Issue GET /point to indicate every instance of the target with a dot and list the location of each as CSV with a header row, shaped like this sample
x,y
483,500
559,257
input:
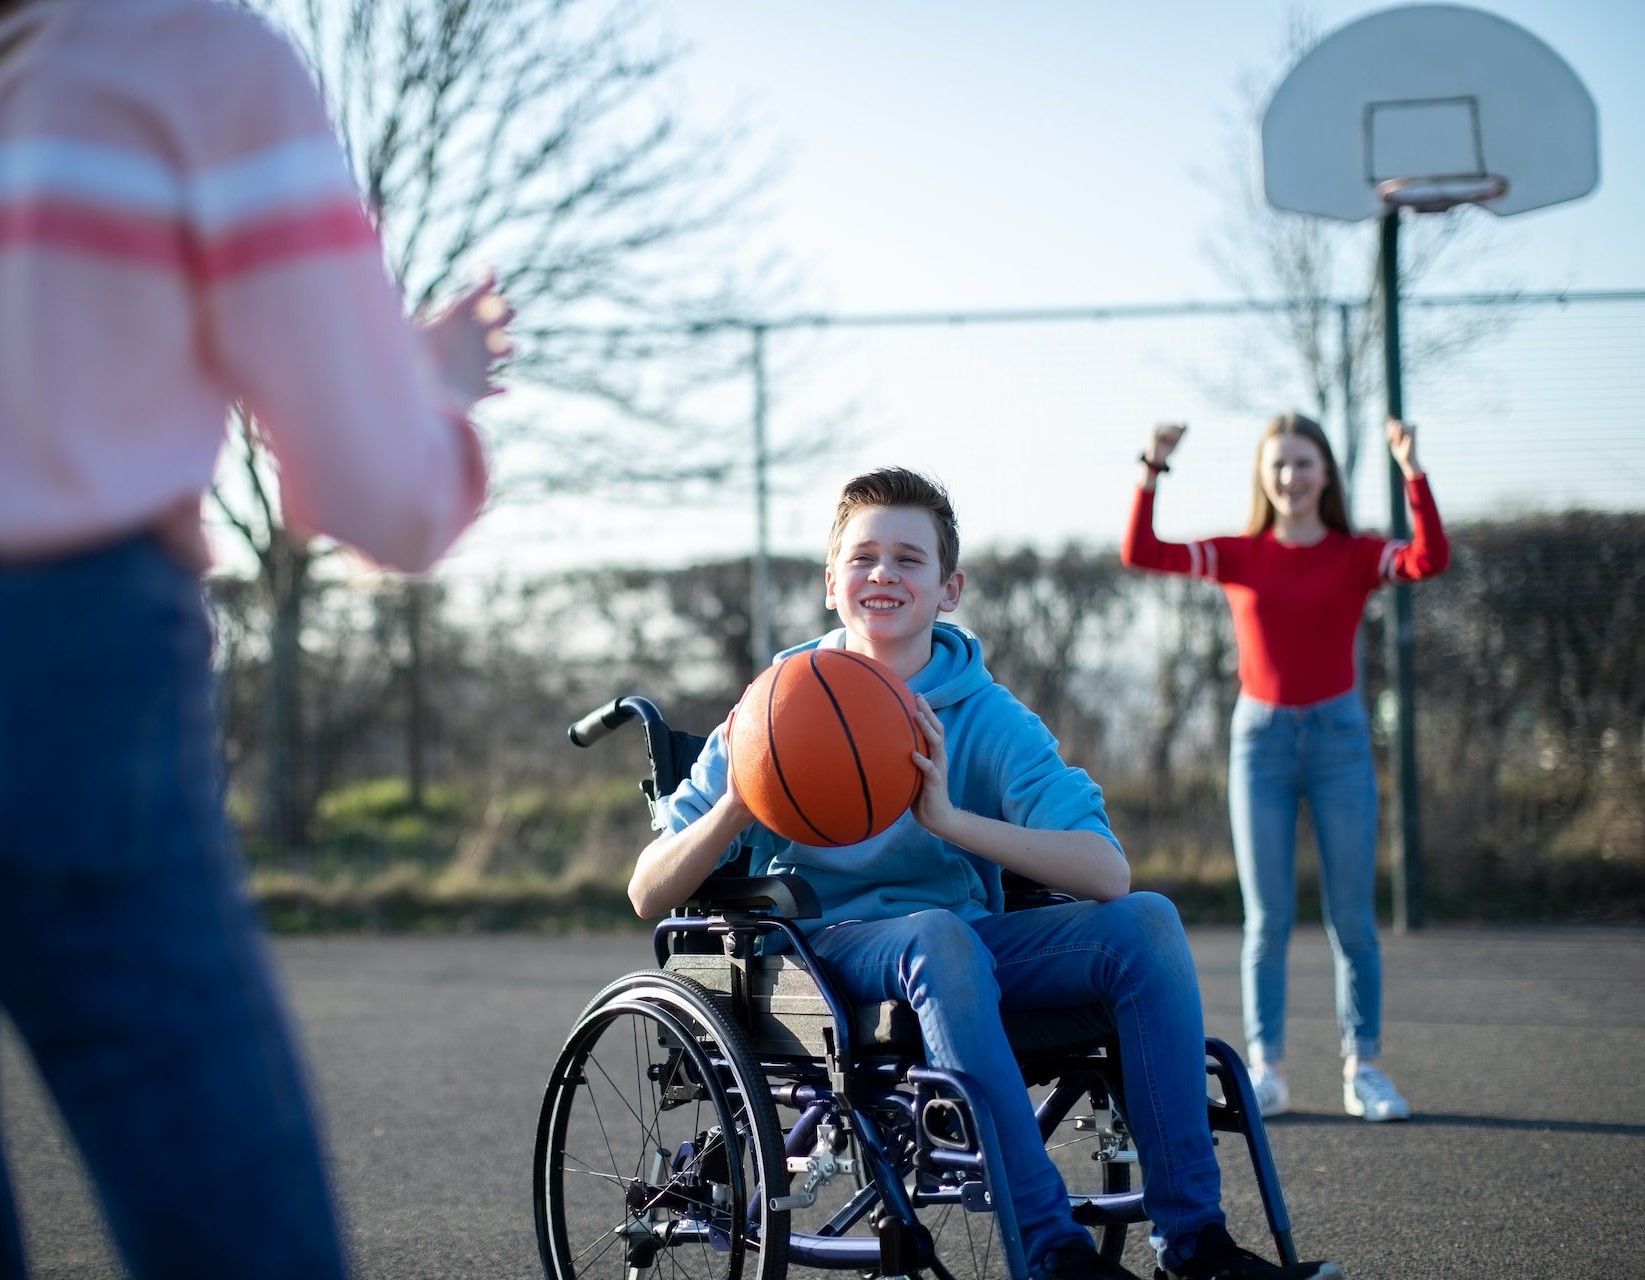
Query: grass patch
x,y
547,859
406,899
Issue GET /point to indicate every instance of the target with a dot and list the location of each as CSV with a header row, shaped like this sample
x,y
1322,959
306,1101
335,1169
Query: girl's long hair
x,y
1333,511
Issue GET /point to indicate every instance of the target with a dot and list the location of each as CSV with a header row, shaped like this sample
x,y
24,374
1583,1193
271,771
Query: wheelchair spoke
x,y
967,1243
647,1157
659,1156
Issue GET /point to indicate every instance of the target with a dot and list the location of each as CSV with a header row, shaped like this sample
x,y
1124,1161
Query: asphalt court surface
x,y
1522,1049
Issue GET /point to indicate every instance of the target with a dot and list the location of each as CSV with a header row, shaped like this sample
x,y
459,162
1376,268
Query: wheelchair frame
x,y
722,1034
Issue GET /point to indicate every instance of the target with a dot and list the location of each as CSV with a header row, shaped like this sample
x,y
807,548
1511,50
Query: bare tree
x,y
1050,622
539,139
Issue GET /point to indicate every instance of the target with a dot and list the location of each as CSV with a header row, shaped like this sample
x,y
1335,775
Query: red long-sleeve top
x,y
1296,609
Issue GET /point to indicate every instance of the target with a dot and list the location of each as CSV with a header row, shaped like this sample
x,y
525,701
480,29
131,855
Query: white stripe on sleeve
x,y
302,171
89,173
1386,570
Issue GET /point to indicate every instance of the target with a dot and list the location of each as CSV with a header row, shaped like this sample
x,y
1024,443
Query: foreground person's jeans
x,y
130,964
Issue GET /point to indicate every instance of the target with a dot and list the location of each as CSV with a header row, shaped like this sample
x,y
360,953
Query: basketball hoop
x,y
1479,106
1425,107
1436,195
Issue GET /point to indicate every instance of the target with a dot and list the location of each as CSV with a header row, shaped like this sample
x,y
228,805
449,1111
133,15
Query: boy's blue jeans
x,y
1279,757
1130,954
130,964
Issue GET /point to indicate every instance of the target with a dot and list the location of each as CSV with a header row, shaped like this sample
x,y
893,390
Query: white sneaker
x,y
1371,1094
1273,1094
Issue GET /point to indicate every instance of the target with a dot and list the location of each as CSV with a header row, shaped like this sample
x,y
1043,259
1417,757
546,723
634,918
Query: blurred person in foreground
x,y
179,230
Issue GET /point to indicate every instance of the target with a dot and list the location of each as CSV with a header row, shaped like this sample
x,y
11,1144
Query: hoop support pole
x,y
1401,638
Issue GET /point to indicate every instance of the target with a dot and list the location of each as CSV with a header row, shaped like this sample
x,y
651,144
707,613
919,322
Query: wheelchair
x,y
726,1115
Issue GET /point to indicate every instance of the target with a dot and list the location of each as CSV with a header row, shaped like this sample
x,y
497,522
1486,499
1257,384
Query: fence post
x,y
759,605
1350,408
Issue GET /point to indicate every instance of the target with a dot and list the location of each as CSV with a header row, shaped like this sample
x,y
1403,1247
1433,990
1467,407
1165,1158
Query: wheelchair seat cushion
x,y
1048,1031
891,1025
788,1015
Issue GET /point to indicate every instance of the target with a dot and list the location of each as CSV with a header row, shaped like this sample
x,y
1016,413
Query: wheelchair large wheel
x,y
658,1144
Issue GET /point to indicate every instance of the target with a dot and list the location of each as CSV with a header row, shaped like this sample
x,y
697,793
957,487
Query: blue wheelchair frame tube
x,y
838,1252
1231,1071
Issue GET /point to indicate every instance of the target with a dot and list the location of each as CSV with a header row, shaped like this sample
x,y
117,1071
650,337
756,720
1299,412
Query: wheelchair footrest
x,y
1105,1211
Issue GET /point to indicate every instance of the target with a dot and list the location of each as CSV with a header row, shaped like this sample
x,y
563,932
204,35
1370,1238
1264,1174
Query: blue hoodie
x,y
1002,763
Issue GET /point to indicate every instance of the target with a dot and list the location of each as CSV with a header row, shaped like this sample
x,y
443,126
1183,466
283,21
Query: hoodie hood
x,y
956,669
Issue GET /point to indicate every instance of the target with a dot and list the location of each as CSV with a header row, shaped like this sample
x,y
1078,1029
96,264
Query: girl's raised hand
x,y
1165,438
1402,443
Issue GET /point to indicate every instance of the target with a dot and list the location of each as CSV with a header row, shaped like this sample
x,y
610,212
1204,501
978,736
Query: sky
x,y
1023,154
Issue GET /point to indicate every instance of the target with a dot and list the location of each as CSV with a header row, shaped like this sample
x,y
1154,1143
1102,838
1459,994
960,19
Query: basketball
x,y
821,744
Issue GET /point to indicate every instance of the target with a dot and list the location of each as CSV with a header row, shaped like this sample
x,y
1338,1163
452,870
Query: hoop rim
x,y
1439,192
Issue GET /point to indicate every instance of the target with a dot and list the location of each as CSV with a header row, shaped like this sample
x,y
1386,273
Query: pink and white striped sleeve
x,y
304,326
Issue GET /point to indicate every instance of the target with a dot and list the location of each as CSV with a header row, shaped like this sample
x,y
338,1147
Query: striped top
x,y
179,229
1296,609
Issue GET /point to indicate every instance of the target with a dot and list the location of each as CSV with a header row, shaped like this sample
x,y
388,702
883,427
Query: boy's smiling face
x,y
886,584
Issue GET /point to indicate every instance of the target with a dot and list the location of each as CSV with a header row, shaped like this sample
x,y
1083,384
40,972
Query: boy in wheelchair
x,y
916,913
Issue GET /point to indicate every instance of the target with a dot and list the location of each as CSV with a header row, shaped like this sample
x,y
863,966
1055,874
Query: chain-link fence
x,y
1530,695
1034,419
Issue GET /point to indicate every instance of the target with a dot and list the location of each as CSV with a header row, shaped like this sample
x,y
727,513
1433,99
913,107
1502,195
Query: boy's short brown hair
x,y
900,487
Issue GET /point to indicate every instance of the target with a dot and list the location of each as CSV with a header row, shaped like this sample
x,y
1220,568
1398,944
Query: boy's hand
x,y
933,810
1083,863
732,801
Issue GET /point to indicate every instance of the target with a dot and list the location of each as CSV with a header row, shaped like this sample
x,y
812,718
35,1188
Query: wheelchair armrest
x,y
1021,893
787,896
1027,899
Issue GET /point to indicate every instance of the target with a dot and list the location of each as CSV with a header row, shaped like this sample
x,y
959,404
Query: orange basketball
x,y
820,747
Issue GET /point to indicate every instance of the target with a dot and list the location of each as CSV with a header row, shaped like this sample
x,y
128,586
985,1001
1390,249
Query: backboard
x,y
1428,106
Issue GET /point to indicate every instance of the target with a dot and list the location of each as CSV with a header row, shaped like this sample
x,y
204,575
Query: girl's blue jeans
x,y
131,965
1132,956
1281,756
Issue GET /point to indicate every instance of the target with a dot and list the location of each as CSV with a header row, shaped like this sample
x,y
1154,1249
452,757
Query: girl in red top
x,y
1297,580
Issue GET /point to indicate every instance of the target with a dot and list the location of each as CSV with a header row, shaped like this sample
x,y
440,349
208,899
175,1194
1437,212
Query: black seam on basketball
x,y
776,764
913,725
873,670
850,741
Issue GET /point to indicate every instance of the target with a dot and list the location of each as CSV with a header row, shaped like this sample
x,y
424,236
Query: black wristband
x,y
1158,468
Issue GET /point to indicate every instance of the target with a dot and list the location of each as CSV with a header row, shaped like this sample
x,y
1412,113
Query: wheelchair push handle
x,y
601,721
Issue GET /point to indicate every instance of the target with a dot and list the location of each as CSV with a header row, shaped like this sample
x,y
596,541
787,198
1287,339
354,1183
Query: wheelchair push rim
x,y
657,1144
